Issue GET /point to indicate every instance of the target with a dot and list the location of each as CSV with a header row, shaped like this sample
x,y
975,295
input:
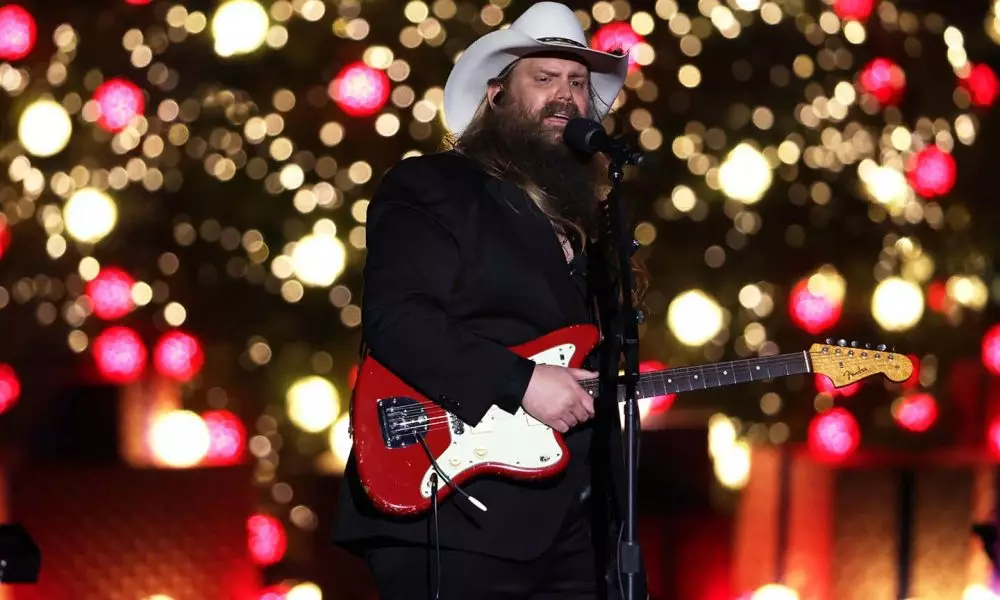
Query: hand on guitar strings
x,y
556,398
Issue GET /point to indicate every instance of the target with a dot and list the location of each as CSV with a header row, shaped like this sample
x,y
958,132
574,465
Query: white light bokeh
x,y
44,128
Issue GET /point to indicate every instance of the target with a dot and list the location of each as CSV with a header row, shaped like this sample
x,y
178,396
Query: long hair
x,y
494,163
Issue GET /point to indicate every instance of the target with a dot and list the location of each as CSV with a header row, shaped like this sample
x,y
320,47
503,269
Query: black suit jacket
x,y
460,266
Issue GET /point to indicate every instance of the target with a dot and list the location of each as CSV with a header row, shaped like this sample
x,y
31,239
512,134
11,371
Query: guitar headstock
x,y
846,362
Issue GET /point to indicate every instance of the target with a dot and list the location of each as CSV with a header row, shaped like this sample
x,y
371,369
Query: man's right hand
x,y
556,398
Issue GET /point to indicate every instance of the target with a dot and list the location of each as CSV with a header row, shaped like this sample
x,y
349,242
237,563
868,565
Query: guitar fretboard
x,y
702,377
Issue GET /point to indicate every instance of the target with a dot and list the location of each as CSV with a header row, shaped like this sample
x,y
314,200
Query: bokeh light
x,y
775,591
119,354
313,403
694,318
834,435
44,128
5,235
816,302
318,259
178,355
360,90
884,80
340,441
732,466
618,37
110,293
179,439
982,85
991,350
916,412
227,438
857,10
993,437
17,32
304,591
978,592
897,304
825,385
119,101
267,540
90,215
931,172
10,387
745,175
239,27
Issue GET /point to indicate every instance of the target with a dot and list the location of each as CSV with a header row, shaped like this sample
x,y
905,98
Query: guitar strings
x,y
439,422
782,360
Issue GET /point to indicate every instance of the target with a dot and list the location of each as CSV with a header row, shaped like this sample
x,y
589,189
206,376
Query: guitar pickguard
x,y
517,441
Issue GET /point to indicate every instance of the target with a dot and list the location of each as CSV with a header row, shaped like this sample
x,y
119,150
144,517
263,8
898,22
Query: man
x,y
472,251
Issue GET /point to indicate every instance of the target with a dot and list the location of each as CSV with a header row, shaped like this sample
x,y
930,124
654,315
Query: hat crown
x,y
550,20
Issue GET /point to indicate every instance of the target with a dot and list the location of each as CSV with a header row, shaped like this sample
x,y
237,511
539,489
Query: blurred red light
x,y
937,297
834,435
813,313
227,437
931,172
137,2
991,350
982,85
884,80
274,592
5,235
360,90
120,101
110,293
267,541
657,404
856,10
916,413
825,384
120,354
993,437
178,355
618,36
17,32
10,387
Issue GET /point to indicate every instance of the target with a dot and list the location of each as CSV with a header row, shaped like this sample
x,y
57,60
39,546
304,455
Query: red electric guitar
x,y
389,418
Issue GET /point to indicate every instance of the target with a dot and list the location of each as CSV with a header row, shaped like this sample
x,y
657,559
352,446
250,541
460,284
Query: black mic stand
x,y
627,341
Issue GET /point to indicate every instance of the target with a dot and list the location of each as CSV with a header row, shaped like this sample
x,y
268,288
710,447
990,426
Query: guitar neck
x,y
703,377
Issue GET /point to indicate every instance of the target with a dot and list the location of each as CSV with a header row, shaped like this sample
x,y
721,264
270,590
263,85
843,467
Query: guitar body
x,y
387,416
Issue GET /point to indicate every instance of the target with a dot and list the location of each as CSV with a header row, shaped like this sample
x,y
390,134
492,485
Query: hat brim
x,y
488,56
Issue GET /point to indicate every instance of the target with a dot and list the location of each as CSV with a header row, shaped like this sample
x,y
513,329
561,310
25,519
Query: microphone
x,y
588,137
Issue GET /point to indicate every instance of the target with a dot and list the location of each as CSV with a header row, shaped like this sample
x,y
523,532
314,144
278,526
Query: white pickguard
x,y
517,440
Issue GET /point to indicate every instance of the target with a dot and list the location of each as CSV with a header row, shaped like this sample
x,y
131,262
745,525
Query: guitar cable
x,y
447,480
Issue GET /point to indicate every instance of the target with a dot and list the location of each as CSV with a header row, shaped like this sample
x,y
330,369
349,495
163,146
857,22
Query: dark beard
x,y
522,144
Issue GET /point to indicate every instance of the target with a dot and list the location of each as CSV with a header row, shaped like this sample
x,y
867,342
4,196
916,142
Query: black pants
x,y
566,571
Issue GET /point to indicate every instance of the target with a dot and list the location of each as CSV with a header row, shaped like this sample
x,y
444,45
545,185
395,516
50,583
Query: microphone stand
x,y
627,342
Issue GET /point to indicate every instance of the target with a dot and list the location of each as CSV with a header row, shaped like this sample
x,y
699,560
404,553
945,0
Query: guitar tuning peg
x,y
842,342
829,341
868,346
881,348
854,344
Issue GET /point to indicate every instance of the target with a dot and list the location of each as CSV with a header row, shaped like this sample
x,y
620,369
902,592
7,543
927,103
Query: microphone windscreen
x,y
578,132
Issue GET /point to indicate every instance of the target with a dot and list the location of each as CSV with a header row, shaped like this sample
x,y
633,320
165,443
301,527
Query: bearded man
x,y
472,251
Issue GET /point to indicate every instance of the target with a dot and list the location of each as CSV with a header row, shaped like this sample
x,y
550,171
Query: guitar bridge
x,y
403,421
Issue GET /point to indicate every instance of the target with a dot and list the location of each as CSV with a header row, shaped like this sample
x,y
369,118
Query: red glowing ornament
x,y
834,435
120,101
993,437
267,540
10,387
854,10
17,32
884,80
991,350
178,355
360,90
227,437
274,592
931,172
937,297
916,413
4,235
120,354
812,312
656,404
618,37
825,385
110,293
982,85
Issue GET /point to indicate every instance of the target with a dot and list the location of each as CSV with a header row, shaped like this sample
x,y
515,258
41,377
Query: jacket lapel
x,y
538,244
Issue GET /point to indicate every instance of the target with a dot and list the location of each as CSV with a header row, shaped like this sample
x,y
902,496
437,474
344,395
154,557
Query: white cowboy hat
x,y
545,26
